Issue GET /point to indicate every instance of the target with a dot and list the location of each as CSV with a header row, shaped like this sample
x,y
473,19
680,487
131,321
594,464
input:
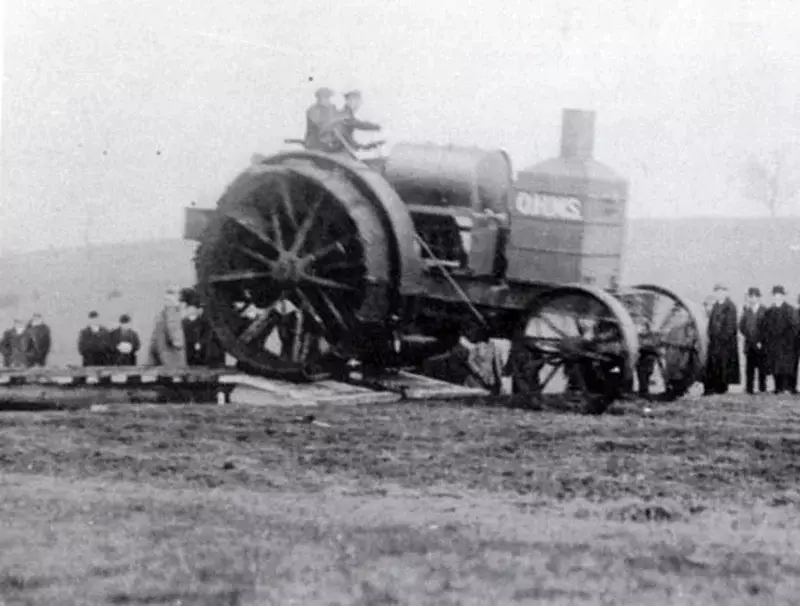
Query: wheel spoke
x,y
263,325
286,200
332,308
306,304
297,345
326,283
308,222
550,323
672,312
341,266
325,251
252,224
276,227
240,276
578,325
255,256
549,376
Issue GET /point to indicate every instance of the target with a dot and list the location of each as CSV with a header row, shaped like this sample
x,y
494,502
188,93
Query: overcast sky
x,y
127,110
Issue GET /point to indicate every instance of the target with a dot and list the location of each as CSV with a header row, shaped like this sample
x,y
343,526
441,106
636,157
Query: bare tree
x,y
772,180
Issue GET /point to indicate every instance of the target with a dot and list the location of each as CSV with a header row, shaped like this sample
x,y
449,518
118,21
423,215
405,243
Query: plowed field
x,y
435,503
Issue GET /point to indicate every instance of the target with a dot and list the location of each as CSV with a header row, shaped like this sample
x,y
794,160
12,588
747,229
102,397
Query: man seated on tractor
x,y
347,123
320,120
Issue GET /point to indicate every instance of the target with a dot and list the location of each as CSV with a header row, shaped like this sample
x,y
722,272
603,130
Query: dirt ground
x,y
433,503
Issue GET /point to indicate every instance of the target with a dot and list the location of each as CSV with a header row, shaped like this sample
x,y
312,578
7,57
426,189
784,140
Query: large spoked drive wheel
x,y
672,341
578,342
286,269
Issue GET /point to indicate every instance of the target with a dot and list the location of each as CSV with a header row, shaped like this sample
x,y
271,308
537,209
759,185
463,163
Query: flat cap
x,y
324,93
352,93
778,290
124,319
93,314
753,291
720,286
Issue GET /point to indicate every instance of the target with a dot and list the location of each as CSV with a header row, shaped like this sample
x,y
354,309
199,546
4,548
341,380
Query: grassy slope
x,y
686,255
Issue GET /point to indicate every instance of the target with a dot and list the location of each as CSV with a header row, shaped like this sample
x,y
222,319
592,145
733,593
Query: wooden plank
x,y
418,387
251,396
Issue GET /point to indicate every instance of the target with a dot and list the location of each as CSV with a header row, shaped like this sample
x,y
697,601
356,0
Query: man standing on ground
x,y
167,344
752,327
39,341
722,368
93,343
125,342
781,325
202,346
15,345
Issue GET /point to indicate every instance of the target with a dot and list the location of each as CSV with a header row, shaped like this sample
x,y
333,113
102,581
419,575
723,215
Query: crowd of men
x,y
771,335
182,337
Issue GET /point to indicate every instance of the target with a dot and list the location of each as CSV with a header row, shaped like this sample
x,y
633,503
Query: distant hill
x,y
687,255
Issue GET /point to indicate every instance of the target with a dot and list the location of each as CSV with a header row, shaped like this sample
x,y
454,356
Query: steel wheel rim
x,y
672,337
584,336
286,258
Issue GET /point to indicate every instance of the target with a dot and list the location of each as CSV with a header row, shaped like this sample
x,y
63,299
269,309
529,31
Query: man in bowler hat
x,y
781,325
752,327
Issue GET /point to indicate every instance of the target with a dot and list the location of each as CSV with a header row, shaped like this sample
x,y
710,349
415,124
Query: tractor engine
x,y
459,201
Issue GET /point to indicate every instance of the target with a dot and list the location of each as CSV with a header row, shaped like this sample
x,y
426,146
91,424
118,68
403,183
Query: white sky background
x,y
94,89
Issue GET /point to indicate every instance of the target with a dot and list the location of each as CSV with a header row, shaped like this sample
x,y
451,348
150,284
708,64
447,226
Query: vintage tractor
x,y
312,263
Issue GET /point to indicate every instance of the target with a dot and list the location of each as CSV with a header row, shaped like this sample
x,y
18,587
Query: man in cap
x,y
202,345
722,367
320,121
752,326
348,123
93,343
781,324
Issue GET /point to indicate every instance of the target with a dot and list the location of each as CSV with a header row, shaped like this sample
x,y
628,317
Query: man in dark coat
x,y
15,345
722,367
202,345
39,338
793,380
752,326
94,344
125,343
781,324
320,119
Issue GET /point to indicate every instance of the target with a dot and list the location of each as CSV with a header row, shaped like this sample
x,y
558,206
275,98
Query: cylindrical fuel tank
x,y
569,213
438,175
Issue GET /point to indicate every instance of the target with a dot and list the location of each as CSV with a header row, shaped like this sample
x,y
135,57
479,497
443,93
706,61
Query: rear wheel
x,y
672,341
294,260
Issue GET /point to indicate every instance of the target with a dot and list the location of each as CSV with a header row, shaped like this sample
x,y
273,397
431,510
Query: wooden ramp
x,y
60,388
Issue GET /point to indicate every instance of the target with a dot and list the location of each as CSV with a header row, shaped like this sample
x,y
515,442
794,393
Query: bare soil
x,y
432,503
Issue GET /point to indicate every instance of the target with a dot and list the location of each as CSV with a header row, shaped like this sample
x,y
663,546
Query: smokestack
x,y
577,134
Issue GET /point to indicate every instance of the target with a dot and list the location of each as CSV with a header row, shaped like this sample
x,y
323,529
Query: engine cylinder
x,y
465,177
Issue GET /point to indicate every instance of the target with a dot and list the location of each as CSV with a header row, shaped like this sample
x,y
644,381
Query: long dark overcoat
x,y
723,347
122,335
780,328
94,347
14,347
202,346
